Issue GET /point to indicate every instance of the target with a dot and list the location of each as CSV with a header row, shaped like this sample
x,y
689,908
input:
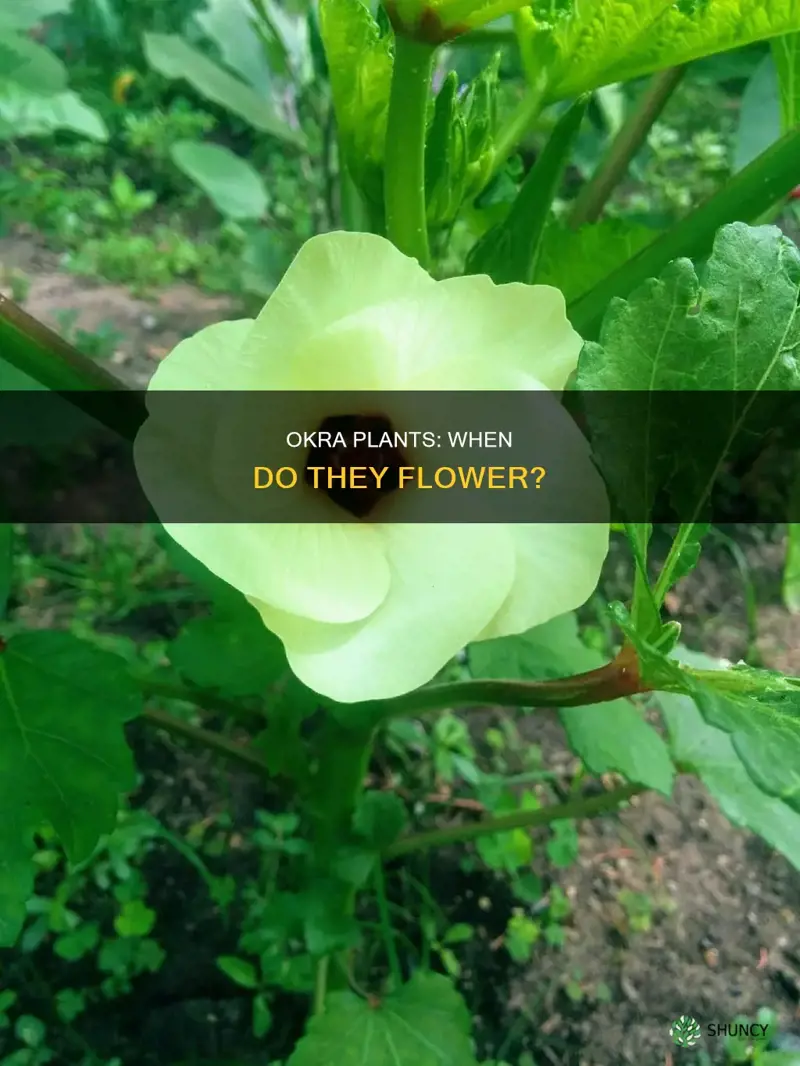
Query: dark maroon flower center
x,y
356,445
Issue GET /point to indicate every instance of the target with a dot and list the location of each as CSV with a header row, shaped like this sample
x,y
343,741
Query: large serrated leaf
x,y
764,727
608,737
605,41
699,748
731,331
171,56
760,709
63,755
425,1023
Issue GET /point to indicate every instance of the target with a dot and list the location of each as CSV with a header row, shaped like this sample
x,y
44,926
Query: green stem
x,y
342,757
174,690
33,348
206,738
321,983
386,926
665,578
404,161
39,352
596,193
457,834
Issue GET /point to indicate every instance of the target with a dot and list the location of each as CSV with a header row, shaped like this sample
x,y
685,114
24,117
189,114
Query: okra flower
x,y
367,608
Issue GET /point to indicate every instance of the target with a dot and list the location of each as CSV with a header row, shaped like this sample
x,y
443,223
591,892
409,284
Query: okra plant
x,y
321,633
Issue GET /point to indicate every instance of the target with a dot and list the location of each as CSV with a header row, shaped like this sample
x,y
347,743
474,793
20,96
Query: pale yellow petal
x,y
470,333
557,570
207,361
447,583
326,572
306,337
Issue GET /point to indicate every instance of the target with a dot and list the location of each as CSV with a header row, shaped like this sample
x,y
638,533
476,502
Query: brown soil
x,y
151,327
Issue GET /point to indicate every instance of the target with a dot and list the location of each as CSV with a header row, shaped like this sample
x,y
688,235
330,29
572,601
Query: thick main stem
x,y
404,158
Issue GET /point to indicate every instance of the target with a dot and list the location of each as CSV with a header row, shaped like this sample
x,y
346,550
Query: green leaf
x,y
171,56
614,40
699,748
17,16
458,933
756,189
760,709
763,718
511,250
262,1016
219,592
327,928
380,818
234,187
684,555
576,260
644,609
230,25
608,737
562,850
78,942
282,741
135,919
425,1023
240,971
24,113
511,850
230,651
731,330
786,56
760,115
31,66
70,1002
6,564
63,756
360,70
613,737
30,1030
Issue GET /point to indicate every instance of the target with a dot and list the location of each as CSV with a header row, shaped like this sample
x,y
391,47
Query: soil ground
x,y
725,935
